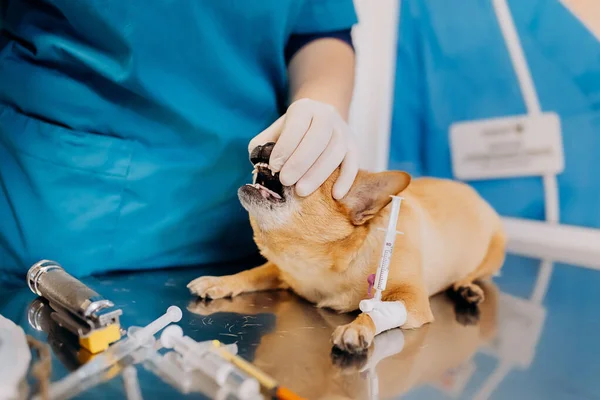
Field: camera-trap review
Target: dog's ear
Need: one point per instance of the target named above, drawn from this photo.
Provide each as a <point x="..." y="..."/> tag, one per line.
<point x="371" y="192"/>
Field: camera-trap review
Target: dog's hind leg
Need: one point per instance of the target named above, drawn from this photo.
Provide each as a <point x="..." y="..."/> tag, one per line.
<point x="466" y="289"/>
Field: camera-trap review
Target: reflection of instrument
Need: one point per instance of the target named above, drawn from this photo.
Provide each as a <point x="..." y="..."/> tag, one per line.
<point x="77" y="308"/>
<point x="138" y="339"/>
<point x="65" y="344"/>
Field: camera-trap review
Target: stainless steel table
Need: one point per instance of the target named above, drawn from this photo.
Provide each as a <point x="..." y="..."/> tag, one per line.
<point x="532" y="338"/>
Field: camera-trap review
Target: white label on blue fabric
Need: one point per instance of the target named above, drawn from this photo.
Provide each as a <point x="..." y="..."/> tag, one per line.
<point x="516" y="146"/>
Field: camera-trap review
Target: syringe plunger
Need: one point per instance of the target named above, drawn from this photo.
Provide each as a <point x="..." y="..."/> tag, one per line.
<point x="173" y="314"/>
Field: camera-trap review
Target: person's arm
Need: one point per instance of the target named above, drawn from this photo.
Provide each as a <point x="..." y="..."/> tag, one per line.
<point x="312" y="139"/>
<point x="323" y="70"/>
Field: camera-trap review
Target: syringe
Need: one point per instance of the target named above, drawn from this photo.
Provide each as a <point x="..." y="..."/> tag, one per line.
<point x="169" y="368"/>
<point x="388" y="248"/>
<point x="114" y="354"/>
<point x="200" y="356"/>
<point x="131" y="383"/>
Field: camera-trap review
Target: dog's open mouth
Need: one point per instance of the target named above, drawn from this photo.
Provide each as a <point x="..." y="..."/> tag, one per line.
<point x="267" y="182"/>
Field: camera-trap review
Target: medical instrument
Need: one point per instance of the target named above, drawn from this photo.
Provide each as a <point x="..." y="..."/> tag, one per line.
<point x="173" y="336"/>
<point x="104" y="376"/>
<point x="169" y="367"/>
<point x="77" y="308"/>
<point x="201" y="357"/>
<point x="137" y="356"/>
<point x="385" y="314"/>
<point x="134" y="340"/>
<point x="169" y="370"/>
<point x="131" y="383"/>
<point x="380" y="280"/>
<point x="63" y="342"/>
<point x="277" y="391"/>
<point x="15" y="356"/>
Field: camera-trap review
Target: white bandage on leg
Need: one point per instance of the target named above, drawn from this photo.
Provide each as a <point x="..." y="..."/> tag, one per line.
<point x="385" y="314"/>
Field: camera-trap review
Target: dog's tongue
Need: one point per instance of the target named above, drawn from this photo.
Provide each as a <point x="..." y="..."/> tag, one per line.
<point x="266" y="193"/>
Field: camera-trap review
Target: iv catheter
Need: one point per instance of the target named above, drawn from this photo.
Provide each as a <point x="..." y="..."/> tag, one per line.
<point x="388" y="248"/>
<point x="115" y="353"/>
<point x="385" y="314"/>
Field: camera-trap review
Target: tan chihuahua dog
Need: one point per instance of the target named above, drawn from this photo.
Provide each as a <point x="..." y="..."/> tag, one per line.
<point x="324" y="250"/>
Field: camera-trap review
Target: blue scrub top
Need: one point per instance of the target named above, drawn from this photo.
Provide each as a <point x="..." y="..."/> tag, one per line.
<point x="124" y="125"/>
<point x="453" y="65"/>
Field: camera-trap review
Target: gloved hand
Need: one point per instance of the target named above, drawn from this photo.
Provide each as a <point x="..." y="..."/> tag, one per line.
<point x="311" y="141"/>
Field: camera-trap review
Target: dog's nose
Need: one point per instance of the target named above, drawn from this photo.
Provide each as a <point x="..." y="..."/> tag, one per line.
<point x="261" y="154"/>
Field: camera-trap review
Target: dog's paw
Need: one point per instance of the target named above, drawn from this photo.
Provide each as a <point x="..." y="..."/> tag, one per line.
<point x="467" y="315"/>
<point x="471" y="293"/>
<point x="213" y="287"/>
<point x="204" y="307"/>
<point x="348" y="363"/>
<point x="355" y="337"/>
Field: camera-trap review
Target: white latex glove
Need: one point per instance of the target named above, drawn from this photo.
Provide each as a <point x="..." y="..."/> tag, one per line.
<point x="311" y="141"/>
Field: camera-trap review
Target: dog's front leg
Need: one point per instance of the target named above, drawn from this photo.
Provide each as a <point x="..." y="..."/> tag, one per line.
<point x="265" y="277"/>
<point x="358" y="335"/>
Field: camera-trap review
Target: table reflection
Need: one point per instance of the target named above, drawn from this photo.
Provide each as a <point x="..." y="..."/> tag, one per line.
<point x="298" y="352"/>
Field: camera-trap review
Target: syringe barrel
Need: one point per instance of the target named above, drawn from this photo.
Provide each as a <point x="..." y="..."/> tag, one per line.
<point x="214" y="366"/>
<point x="226" y="374"/>
<point x="131" y="383"/>
<point x="61" y="388"/>
<point x="170" y="369"/>
<point x="388" y="246"/>
<point x="210" y="364"/>
<point x="202" y="357"/>
<point x="200" y="348"/>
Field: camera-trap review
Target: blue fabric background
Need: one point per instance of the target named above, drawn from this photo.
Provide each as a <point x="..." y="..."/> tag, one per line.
<point x="124" y="125"/>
